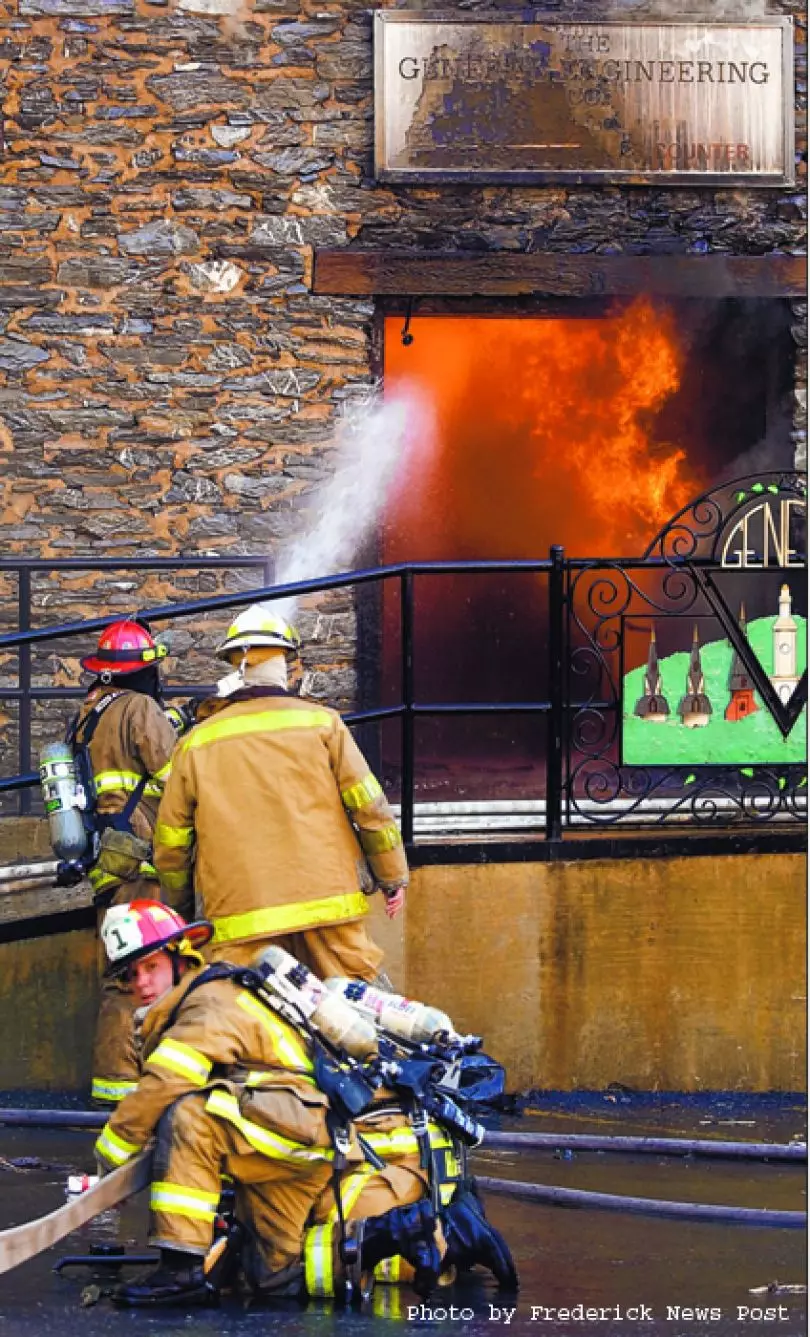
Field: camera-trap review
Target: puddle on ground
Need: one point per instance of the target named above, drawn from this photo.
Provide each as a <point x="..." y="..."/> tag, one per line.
<point x="642" y="1275"/>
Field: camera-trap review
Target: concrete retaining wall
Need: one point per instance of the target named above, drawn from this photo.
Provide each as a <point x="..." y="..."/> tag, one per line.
<point x="669" y="974"/>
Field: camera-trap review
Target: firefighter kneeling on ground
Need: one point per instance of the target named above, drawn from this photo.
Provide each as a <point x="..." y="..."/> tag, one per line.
<point x="272" y="823"/>
<point x="229" y="1088"/>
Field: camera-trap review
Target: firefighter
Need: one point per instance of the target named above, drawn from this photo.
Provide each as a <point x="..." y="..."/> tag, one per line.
<point x="130" y="743"/>
<point x="229" y="1086"/>
<point x="273" y="814"/>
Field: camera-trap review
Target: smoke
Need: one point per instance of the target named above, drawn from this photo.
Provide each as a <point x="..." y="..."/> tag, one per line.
<point x="370" y="446"/>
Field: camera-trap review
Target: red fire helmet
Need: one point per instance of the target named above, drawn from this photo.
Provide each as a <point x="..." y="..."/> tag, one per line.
<point x="140" y="928"/>
<point x="124" y="647"/>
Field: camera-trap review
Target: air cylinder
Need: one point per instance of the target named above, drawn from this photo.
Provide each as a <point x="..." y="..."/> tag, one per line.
<point x="328" y="1013"/>
<point x="401" y="1017"/>
<point x="64" y="801"/>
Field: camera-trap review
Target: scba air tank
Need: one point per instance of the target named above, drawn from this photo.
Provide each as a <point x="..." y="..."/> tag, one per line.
<point x="402" y="1017"/>
<point x="328" y="1013"/>
<point x="64" y="800"/>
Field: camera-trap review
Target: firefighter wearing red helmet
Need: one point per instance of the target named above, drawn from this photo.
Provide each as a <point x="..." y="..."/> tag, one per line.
<point x="123" y="731"/>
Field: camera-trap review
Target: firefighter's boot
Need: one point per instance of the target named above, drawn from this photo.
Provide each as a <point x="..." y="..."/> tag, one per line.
<point x="184" y="1278"/>
<point x="406" y="1232"/>
<point x="178" y="1279"/>
<point x="472" y="1240"/>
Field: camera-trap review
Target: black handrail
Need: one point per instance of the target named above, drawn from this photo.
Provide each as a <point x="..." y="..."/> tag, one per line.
<point x="559" y="570"/>
<point x="25" y="693"/>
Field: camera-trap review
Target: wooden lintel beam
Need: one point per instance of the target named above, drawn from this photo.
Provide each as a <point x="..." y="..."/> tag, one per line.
<point x="366" y="273"/>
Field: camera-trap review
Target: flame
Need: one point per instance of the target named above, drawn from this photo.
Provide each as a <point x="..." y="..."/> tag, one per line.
<point x="545" y="433"/>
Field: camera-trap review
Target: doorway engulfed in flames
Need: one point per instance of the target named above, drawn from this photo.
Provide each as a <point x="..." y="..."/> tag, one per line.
<point x="586" y="431"/>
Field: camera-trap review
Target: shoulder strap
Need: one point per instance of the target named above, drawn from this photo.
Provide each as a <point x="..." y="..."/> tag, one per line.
<point x="82" y="733"/>
<point x="220" y="970"/>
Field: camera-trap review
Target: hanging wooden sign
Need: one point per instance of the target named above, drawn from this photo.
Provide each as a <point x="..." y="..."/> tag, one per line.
<point x="503" y="99"/>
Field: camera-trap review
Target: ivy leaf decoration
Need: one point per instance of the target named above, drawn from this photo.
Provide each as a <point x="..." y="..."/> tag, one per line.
<point x="690" y="780"/>
<point x="746" y="770"/>
<point x="758" y="487"/>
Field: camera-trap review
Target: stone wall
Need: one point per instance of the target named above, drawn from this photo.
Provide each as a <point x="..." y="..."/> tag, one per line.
<point x="168" y="383"/>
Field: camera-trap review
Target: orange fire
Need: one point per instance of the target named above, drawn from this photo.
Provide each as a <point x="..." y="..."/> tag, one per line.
<point x="545" y="433"/>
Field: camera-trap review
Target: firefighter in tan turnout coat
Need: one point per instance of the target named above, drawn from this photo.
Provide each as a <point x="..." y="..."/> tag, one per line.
<point x="130" y="743"/>
<point x="230" y="1087"/>
<point x="272" y="816"/>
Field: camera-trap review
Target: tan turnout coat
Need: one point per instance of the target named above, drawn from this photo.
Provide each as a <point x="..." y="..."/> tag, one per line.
<point x="272" y="814"/>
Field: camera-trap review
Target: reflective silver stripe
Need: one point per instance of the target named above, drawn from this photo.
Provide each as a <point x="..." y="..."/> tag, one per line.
<point x="104" y="1088"/>
<point x="107" y="780"/>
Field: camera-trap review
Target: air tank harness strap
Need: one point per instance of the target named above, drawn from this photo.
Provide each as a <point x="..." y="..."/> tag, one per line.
<point x="417" y="1113"/>
<point x="79" y="736"/>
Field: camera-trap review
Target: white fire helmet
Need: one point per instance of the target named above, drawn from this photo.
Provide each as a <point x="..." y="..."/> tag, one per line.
<point x="259" y="628"/>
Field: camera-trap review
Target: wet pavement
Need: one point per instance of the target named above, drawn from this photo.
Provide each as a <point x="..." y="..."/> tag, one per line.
<point x="582" y="1271"/>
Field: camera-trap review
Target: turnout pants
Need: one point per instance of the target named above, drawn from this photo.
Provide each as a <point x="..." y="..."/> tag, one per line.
<point x="334" y="949"/>
<point x="115" y="1064"/>
<point x="277" y="1199"/>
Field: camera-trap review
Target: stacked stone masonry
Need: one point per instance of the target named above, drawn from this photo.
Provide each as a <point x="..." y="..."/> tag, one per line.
<point x="168" y="382"/>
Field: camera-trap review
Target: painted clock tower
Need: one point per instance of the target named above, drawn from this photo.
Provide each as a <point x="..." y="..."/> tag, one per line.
<point x="784" y="676"/>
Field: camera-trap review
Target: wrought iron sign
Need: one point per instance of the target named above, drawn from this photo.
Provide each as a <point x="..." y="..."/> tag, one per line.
<point x="694" y="664"/>
<point x="501" y="98"/>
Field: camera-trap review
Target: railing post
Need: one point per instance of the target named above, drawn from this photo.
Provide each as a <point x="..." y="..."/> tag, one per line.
<point x="554" y="733"/>
<point x="24" y="683"/>
<point x="407" y="783"/>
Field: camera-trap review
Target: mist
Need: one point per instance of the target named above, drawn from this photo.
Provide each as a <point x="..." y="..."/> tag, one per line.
<point x="376" y="443"/>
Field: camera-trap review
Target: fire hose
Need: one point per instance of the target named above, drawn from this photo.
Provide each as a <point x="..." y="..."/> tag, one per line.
<point x="656" y="1146"/>
<point x="614" y="1202"/>
<point x="550" y="1194"/>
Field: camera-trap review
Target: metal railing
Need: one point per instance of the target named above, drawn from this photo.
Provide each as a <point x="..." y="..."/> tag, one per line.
<point x="25" y="692"/>
<point x="568" y="807"/>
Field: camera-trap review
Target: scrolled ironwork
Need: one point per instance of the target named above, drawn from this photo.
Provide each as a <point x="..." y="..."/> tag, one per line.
<point x="602" y="790"/>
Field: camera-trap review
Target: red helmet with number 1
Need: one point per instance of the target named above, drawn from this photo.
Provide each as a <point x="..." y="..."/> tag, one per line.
<point x="124" y="647"/>
<point x="140" y="928"/>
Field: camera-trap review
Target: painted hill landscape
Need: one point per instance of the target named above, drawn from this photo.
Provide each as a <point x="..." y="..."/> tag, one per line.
<point x="755" y="740"/>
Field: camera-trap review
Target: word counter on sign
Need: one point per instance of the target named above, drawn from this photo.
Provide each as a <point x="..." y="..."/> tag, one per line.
<point x="581" y="1313"/>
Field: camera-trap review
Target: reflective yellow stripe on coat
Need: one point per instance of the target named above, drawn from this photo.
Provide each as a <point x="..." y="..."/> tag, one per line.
<point x="288" y="918"/>
<point x="377" y="842"/>
<point x="362" y="794"/>
<point x="265" y="721"/>
<point x="273" y="1145"/>
<point x="114" y="1149"/>
<point x="174" y="837"/>
<point x="105" y="1088"/>
<point x="289" y="1049"/>
<point x="182" y="1060"/>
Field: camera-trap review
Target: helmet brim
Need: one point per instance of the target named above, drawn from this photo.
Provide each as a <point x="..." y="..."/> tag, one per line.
<point x="93" y="665"/>
<point x="197" y="935"/>
<point x="254" y="641"/>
